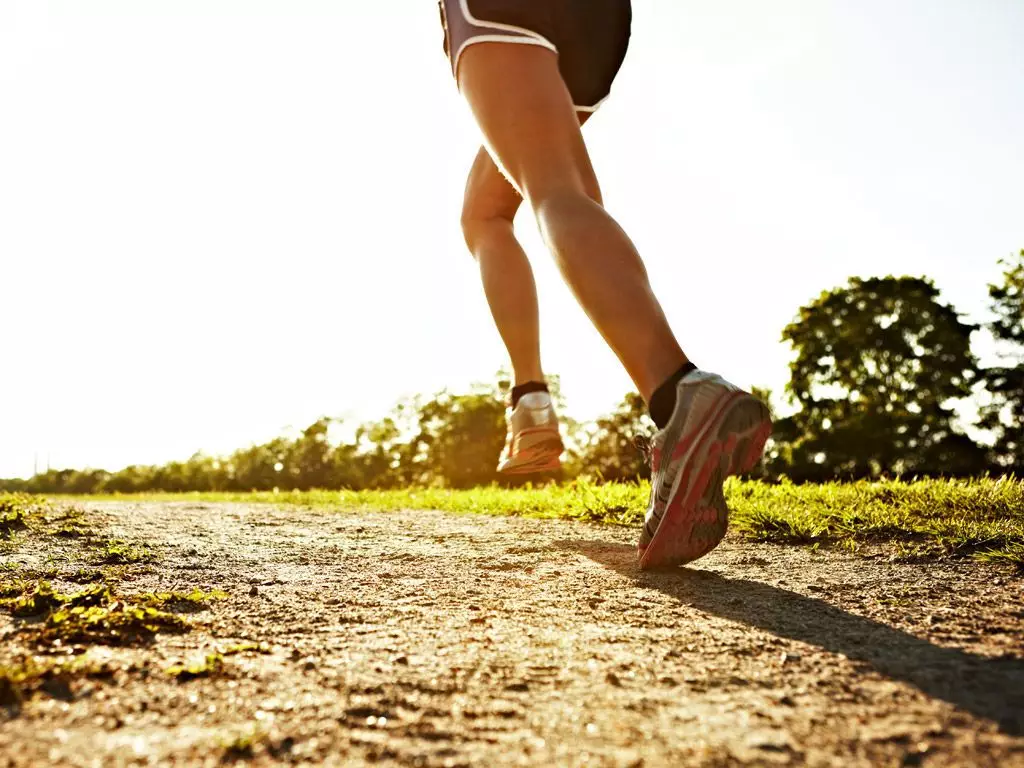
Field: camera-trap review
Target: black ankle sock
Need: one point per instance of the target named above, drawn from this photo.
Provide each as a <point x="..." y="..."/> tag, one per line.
<point x="524" y="389"/>
<point x="663" y="401"/>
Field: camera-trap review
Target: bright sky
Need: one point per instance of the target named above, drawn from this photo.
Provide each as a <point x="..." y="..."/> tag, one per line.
<point x="223" y="218"/>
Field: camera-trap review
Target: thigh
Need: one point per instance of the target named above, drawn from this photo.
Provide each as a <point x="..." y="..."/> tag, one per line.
<point x="530" y="126"/>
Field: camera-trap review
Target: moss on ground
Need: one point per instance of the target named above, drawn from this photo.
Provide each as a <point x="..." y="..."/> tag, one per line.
<point x="210" y="666"/>
<point x="20" y="681"/>
<point x="93" y="616"/>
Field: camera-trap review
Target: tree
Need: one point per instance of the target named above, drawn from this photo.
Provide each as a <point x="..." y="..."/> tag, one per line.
<point x="309" y="462"/>
<point x="612" y="451"/>
<point x="877" y="366"/>
<point x="460" y="437"/>
<point x="1004" y="416"/>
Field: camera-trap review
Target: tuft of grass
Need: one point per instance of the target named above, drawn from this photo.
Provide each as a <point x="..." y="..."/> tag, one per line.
<point x="94" y="615"/>
<point x="211" y="666"/>
<point x="19" y="682"/>
<point x="117" y="552"/>
<point x="1013" y="554"/>
<point x="70" y="524"/>
<point x="18" y="511"/>
<point x="243" y="746"/>
<point x="13" y="589"/>
<point x="40" y="601"/>
<point x="85" y="575"/>
<point x="233" y="650"/>
<point x="12" y="518"/>
<point x="920" y="520"/>
<point x="196" y="600"/>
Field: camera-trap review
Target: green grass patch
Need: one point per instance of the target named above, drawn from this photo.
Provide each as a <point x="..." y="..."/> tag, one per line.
<point x="211" y="666"/>
<point x="981" y="519"/>
<point x="196" y="600"/>
<point x="94" y="615"/>
<point x="233" y="650"/>
<point x="117" y="552"/>
<point x="19" y="682"/>
<point x="243" y="746"/>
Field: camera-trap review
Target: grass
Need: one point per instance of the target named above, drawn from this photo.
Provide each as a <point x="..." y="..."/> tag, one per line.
<point x="211" y="666"/>
<point x="117" y="552"/>
<point x="95" y="615"/>
<point x="981" y="519"/>
<point x="196" y="600"/>
<point x="19" y="682"/>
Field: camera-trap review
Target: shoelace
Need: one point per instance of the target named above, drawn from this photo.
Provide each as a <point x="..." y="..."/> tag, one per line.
<point x="645" y="445"/>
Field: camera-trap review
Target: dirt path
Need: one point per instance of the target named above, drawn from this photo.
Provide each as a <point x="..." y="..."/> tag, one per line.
<point x="430" y="639"/>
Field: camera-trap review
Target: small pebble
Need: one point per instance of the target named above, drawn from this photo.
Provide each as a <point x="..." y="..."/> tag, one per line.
<point x="254" y="591"/>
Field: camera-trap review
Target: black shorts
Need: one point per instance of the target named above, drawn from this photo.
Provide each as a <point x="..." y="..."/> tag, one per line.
<point x="589" y="36"/>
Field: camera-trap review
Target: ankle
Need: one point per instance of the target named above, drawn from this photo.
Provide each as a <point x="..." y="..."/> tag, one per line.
<point x="527" y="388"/>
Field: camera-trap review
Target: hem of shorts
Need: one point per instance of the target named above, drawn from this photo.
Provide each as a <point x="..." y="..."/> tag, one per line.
<point x="543" y="42"/>
<point x="593" y="108"/>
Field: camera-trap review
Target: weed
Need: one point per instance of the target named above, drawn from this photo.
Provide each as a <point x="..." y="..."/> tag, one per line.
<point x="196" y="600"/>
<point x="1012" y="554"/>
<point x="117" y="552"/>
<point x="211" y="666"/>
<point x="232" y="650"/>
<point x="242" y="746"/>
<point x="94" y="615"/>
<point x="19" y="682"/>
<point x="85" y="575"/>
<point x="113" y="574"/>
<point x="116" y="624"/>
<point x="38" y="602"/>
<point x="12" y="589"/>
<point x="11" y="520"/>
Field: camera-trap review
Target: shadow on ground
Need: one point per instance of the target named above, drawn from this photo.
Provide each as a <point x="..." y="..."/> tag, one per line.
<point x="991" y="688"/>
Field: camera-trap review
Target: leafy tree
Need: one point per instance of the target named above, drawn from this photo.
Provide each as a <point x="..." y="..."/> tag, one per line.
<point x="611" y="450"/>
<point x="1005" y="415"/>
<point x="460" y="437"/>
<point x="308" y="463"/>
<point x="259" y="467"/>
<point x="877" y="365"/>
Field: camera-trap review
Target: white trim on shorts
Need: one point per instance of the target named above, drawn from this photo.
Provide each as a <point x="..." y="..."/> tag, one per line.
<point x="532" y="38"/>
<point x="542" y="42"/>
<point x="464" y="5"/>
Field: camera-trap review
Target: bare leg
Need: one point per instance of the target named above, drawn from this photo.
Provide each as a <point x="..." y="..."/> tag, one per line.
<point x="487" y="223"/>
<point x="530" y="127"/>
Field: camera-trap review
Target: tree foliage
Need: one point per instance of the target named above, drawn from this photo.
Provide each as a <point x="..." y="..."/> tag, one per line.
<point x="1004" y="416"/>
<point x="609" y="451"/>
<point x="877" y="365"/>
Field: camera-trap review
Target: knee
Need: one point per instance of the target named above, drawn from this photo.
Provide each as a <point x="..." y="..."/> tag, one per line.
<point x="585" y="191"/>
<point x="565" y="202"/>
<point x="479" y="226"/>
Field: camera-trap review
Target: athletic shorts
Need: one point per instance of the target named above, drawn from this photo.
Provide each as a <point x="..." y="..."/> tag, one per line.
<point x="589" y="36"/>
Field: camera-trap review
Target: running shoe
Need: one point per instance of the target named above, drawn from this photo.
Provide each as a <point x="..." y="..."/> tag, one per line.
<point x="534" y="443"/>
<point x="716" y="430"/>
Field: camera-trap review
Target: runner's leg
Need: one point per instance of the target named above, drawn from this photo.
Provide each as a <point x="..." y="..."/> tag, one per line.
<point x="530" y="127"/>
<point x="488" y="216"/>
<point x="487" y="222"/>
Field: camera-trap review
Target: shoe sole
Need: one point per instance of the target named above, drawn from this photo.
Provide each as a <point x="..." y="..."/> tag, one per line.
<point x="695" y="523"/>
<point x="539" y="450"/>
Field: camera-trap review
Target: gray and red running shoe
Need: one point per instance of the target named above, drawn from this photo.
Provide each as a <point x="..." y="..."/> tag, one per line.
<point x="534" y="443"/>
<point x="716" y="430"/>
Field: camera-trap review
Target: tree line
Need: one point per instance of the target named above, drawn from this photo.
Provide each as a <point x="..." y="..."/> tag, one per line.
<point x="879" y="366"/>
